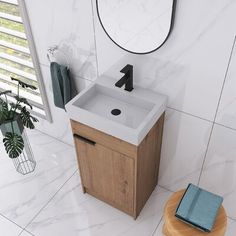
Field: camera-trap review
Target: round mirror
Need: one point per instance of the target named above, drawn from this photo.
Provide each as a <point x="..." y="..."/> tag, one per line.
<point x="137" y="26"/>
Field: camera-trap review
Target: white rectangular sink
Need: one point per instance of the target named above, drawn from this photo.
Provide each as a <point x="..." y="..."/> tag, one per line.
<point x="125" y="115"/>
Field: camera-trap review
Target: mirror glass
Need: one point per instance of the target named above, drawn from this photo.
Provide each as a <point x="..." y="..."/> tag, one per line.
<point x="138" y="26"/>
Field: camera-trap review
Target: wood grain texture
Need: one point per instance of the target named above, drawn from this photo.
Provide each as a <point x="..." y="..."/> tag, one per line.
<point x="148" y="160"/>
<point x="116" y="172"/>
<point x="175" y="227"/>
<point x="108" y="174"/>
<point x="104" y="139"/>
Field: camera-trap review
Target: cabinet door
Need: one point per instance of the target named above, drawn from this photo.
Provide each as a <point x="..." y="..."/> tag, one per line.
<point x="107" y="174"/>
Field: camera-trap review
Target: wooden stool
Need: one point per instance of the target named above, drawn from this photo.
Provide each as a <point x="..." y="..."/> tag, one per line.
<point x="175" y="227"/>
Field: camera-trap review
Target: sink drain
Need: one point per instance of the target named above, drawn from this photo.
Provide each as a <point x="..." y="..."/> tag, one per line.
<point x="116" y="112"/>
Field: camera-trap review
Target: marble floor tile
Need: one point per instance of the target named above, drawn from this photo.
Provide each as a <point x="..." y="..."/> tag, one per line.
<point x="23" y="196"/>
<point x="7" y="228"/>
<point x="231" y="228"/>
<point x="158" y="231"/>
<point x="73" y="213"/>
<point x="219" y="174"/>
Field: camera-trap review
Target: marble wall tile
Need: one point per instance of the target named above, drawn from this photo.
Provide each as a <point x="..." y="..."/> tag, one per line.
<point x="190" y="67"/>
<point x="8" y="228"/>
<point x="219" y="174"/>
<point x="184" y="145"/>
<point x="25" y="233"/>
<point x="60" y="126"/>
<point x="21" y="196"/>
<point x="227" y="109"/>
<point x="73" y="213"/>
<point x="68" y="24"/>
<point x="107" y="52"/>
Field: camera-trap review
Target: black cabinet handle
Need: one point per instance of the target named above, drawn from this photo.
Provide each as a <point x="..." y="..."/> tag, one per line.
<point x="84" y="139"/>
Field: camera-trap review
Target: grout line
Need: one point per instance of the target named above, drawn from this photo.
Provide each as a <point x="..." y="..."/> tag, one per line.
<point x="81" y="77"/>
<point x="6" y="218"/>
<point x="189" y="114"/>
<point x="46" y="204"/>
<point x="157" y="226"/>
<point x="94" y="34"/>
<point x="231" y="218"/>
<point x="217" y="109"/>
<point x="48" y="66"/>
<point x="225" y="126"/>
<point x="226" y="74"/>
<point x="167" y="189"/>
<point x="205" y="155"/>
<point x="59" y="140"/>
<point x="26" y="232"/>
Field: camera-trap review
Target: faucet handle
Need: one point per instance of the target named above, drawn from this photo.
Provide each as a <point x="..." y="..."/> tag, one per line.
<point x="127" y="68"/>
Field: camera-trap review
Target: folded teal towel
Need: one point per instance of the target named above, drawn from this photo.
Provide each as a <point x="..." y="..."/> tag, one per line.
<point x="61" y="84"/>
<point x="199" y="208"/>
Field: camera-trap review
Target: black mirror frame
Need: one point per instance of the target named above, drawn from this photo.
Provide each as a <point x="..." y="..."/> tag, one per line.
<point x="141" y="53"/>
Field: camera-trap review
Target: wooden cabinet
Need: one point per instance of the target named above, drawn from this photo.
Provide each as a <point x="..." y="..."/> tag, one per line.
<point x="117" y="172"/>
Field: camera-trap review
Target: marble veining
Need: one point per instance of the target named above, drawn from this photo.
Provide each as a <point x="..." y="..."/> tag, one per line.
<point x="71" y="212"/>
<point x="227" y="109"/>
<point x="188" y="137"/>
<point x="181" y="68"/>
<point x="231" y="228"/>
<point x="70" y="29"/>
<point x="22" y="197"/>
<point x="138" y="26"/>
<point x="51" y="202"/>
<point x="219" y="169"/>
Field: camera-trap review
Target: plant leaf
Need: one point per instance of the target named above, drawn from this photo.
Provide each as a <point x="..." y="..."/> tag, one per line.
<point x="23" y="100"/>
<point x="27" y="119"/>
<point x="23" y="84"/>
<point x="5" y="92"/>
<point x="14" y="144"/>
<point x="3" y="110"/>
<point x="14" y="106"/>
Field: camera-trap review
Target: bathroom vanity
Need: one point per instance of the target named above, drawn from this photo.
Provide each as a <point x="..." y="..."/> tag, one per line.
<point x="118" y="155"/>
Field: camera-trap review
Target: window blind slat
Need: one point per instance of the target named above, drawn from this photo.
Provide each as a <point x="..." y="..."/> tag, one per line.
<point x="14" y="2"/>
<point x="16" y="59"/>
<point x="13" y="32"/>
<point x="15" y="47"/>
<point x="18" y="72"/>
<point x="9" y="81"/>
<point x="10" y="17"/>
<point x="34" y="99"/>
<point x="39" y="111"/>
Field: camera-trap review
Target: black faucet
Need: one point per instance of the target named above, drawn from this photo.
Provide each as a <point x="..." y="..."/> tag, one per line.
<point x="127" y="79"/>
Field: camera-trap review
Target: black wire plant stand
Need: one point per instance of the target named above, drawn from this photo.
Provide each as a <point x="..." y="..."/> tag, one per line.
<point x="14" y="118"/>
<point x="25" y="163"/>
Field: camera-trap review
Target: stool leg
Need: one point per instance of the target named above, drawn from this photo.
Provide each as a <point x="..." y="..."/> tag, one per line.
<point x="165" y="231"/>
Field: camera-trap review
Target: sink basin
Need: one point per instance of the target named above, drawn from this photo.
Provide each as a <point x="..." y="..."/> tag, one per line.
<point x="126" y="115"/>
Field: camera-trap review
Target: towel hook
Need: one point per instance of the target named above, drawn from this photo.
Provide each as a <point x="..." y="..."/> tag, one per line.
<point x="51" y="52"/>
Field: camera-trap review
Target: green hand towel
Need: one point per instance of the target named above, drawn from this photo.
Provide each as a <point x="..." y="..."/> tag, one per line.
<point x="61" y="84"/>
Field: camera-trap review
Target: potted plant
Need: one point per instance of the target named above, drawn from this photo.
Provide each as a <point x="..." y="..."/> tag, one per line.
<point x="14" y="116"/>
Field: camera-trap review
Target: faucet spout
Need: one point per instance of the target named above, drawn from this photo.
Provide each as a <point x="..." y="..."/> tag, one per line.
<point x="127" y="79"/>
<point x="121" y="82"/>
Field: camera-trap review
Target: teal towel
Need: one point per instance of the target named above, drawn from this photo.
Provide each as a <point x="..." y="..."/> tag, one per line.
<point x="199" y="208"/>
<point x="61" y="84"/>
